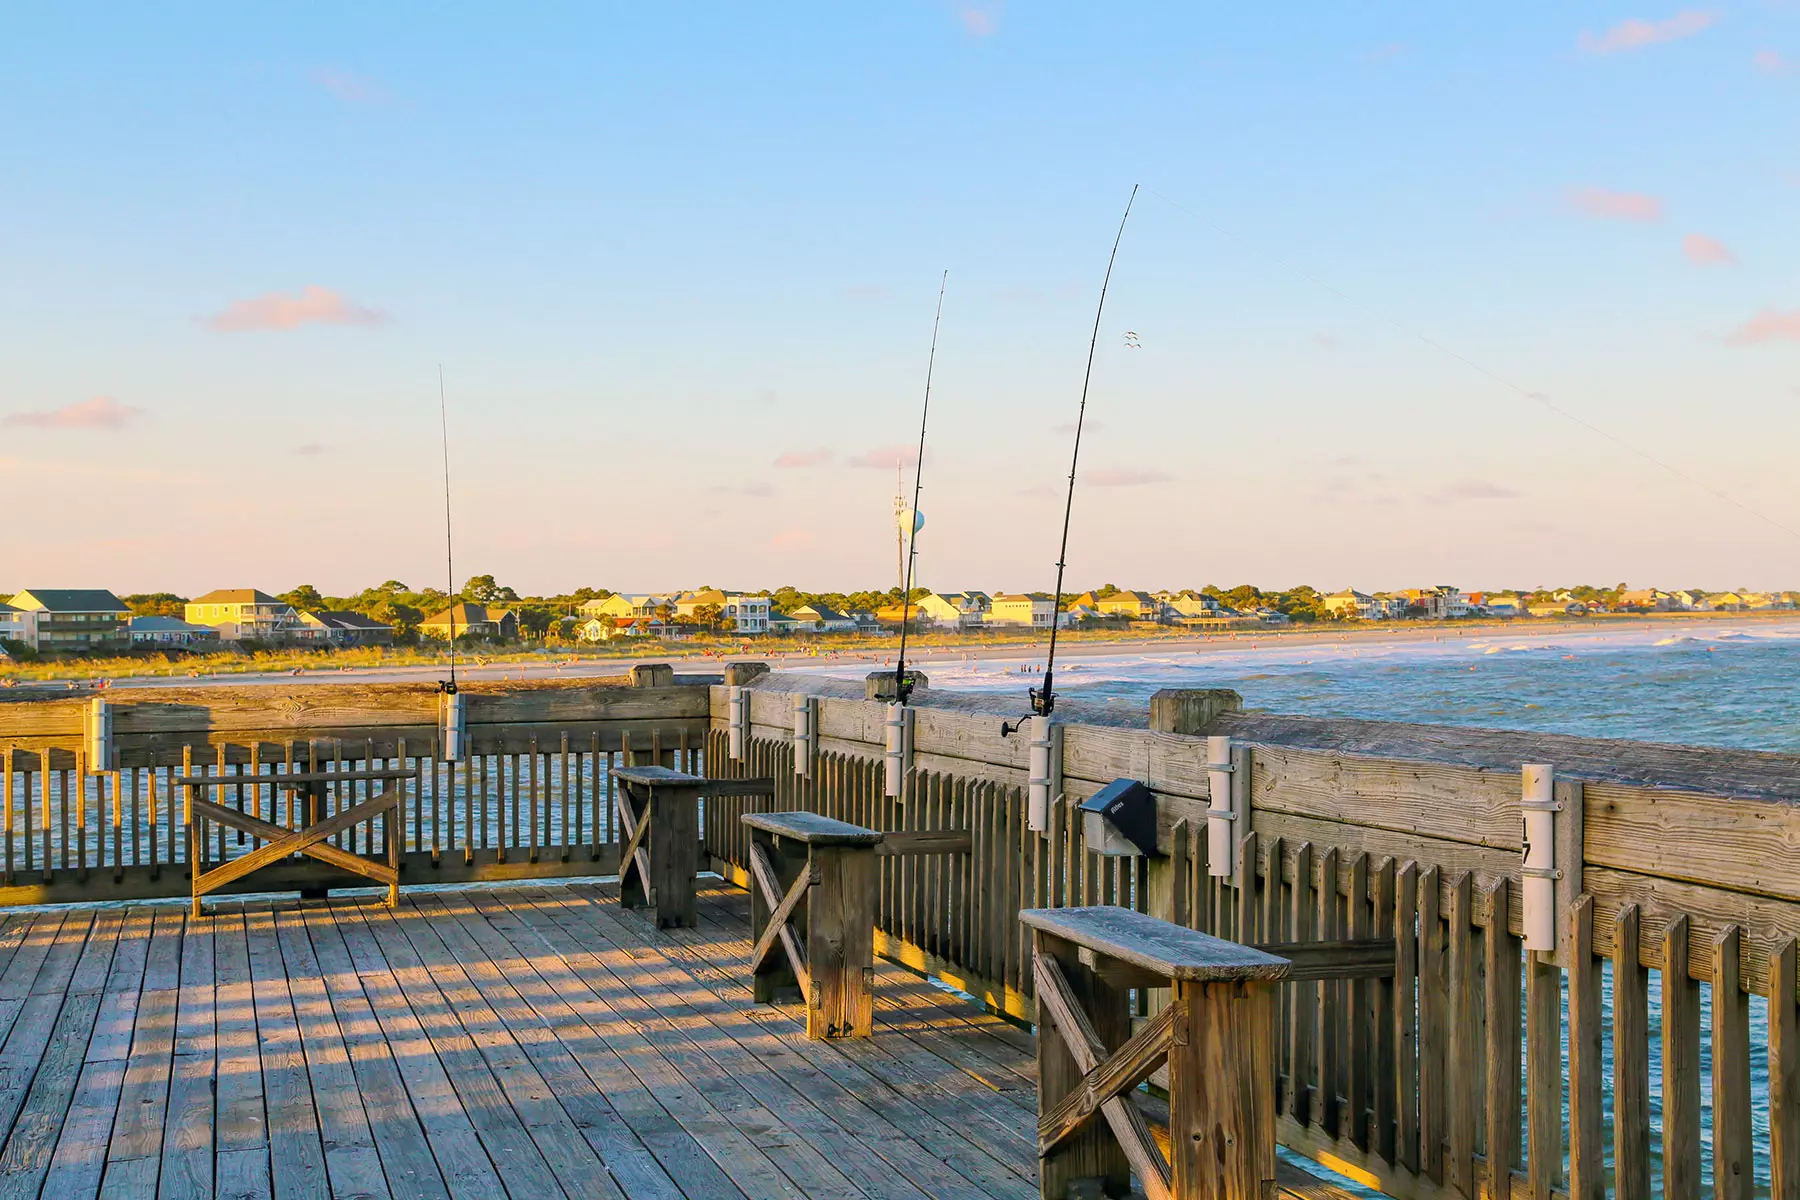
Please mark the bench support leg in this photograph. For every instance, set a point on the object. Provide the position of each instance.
(674, 855)
(1222, 1092)
(1093, 1157)
(840, 942)
(774, 979)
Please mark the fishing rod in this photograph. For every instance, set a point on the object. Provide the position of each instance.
(454, 704)
(1043, 699)
(903, 684)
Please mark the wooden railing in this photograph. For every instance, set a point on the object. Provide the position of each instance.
(534, 797)
(1479, 1069)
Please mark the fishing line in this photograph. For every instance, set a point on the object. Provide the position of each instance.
(1043, 699)
(1487, 373)
(903, 685)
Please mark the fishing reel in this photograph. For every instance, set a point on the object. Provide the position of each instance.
(1043, 702)
(447, 687)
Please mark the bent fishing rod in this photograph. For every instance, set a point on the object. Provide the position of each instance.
(447, 686)
(903, 684)
(1043, 699)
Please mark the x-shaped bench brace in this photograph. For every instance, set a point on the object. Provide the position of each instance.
(1106, 1079)
(781, 911)
(636, 853)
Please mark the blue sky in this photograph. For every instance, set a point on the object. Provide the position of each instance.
(660, 250)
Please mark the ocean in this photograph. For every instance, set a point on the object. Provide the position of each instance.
(1712, 685)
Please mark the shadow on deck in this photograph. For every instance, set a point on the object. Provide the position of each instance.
(534, 1042)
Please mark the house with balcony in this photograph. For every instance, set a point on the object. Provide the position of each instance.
(1023, 610)
(334, 628)
(245, 615)
(171, 631)
(18, 625)
(745, 612)
(77, 620)
(955, 610)
(471, 620)
(1352, 605)
(816, 618)
(639, 606)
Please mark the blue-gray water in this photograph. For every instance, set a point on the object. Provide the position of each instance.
(1728, 684)
(1714, 683)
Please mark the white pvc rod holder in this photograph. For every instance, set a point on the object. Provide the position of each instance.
(1037, 790)
(737, 706)
(456, 727)
(1538, 860)
(98, 722)
(803, 735)
(899, 748)
(1221, 817)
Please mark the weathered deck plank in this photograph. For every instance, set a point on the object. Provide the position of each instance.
(486, 1045)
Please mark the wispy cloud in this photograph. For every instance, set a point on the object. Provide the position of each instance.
(1766, 326)
(887, 457)
(311, 305)
(1707, 252)
(350, 87)
(311, 449)
(755, 490)
(793, 459)
(983, 21)
(1123, 477)
(1636, 33)
(1473, 489)
(1381, 54)
(791, 539)
(102, 412)
(1616, 206)
(1770, 62)
(1326, 341)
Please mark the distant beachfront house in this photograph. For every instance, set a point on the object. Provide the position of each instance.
(1189, 604)
(1352, 605)
(817, 618)
(747, 612)
(963, 610)
(171, 631)
(1023, 610)
(78, 620)
(783, 623)
(336, 628)
(1439, 603)
(245, 615)
(1687, 599)
(1556, 608)
(471, 620)
(1503, 604)
(18, 625)
(1648, 600)
(621, 605)
(596, 629)
(1133, 606)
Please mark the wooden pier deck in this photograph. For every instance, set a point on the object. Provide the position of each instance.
(536, 1042)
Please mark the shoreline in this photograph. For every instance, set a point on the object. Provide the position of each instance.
(1078, 646)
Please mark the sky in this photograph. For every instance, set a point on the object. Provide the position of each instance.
(1409, 294)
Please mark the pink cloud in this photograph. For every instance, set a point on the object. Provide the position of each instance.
(1473, 489)
(1766, 326)
(1770, 62)
(792, 459)
(887, 457)
(1616, 206)
(791, 539)
(351, 88)
(1707, 252)
(1636, 33)
(102, 412)
(981, 22)
(1123, 477)
(312, 305)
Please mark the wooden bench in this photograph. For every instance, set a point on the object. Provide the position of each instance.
(659, 814)
(813, 897)
(1217, 1036)
(310, 839)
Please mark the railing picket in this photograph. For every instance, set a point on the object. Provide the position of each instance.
(1502, 987)
(1784, 1076)
(1681, 1067)
(1406, 1018)
(1587, 1155)
(1433, 1023)
(1733, 1165)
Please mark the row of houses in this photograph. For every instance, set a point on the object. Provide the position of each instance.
(1445, 602)
(95, 621)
